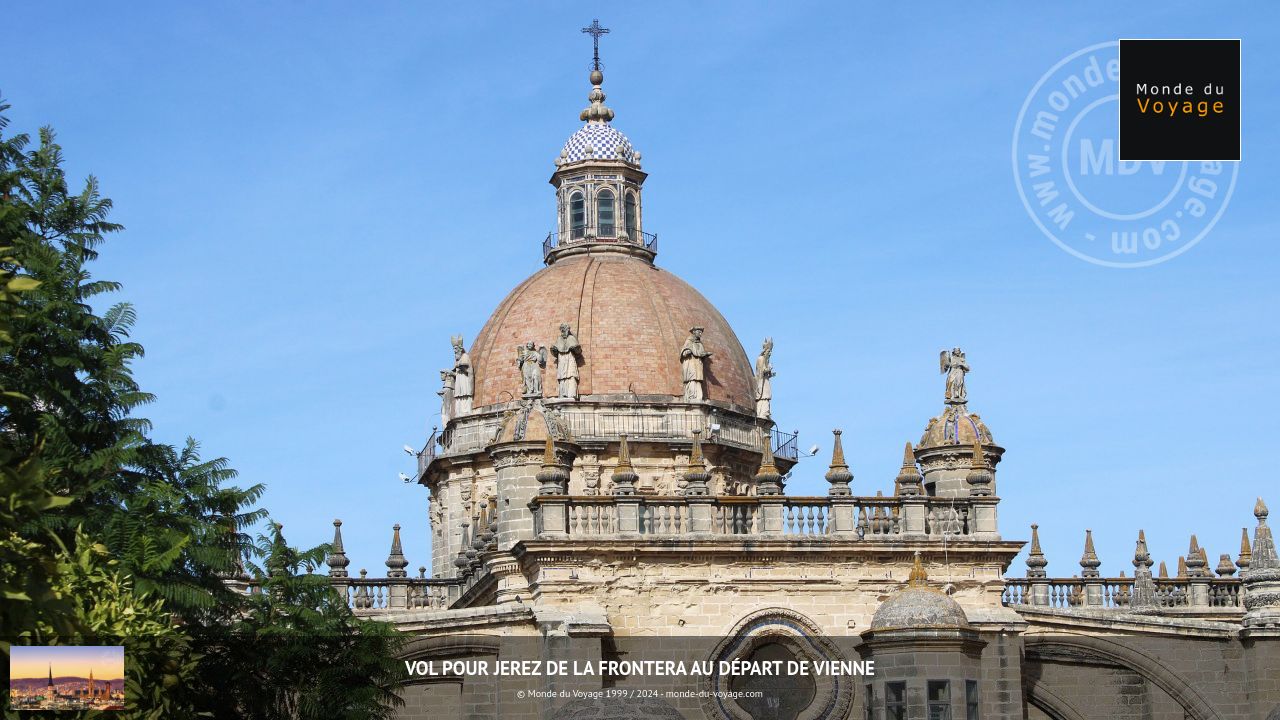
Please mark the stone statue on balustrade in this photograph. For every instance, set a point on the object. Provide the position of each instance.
(531, 360)
(764, 380)
(566, 350)
(463, 382)
(693, 366)
(447, 379)
(953, 364)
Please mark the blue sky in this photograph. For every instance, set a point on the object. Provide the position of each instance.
(317, 195)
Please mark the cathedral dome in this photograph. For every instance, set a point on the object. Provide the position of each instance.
(631, 318)
(598, 141)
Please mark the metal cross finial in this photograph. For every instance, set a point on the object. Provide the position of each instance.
(595, 31)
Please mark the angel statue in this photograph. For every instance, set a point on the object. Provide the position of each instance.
(463, 383)
(531, 360)
(952, 363)
(764, 380)
(566, 350)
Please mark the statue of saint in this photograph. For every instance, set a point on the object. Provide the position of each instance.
(764, 380)
(446, 397)
(531, 361)
(566, 350)
(952, 363)
(463, 383)
(693, 359)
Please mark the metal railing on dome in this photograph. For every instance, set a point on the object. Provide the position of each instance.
(616, 234)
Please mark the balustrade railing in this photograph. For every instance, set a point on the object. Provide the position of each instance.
(604, 233)
(1117, 593)
(668, 425)
(470, 436)
(863, 518)
(370, 594)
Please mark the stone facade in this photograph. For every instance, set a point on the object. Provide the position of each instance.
(629, 522)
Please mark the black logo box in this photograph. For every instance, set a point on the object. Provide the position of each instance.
(1186, 69)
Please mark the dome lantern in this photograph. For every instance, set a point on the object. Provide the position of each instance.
(598, 183)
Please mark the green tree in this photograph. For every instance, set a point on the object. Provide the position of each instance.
(321, 662)
(108, 535)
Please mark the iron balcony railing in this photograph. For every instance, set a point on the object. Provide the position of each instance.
(616, 234)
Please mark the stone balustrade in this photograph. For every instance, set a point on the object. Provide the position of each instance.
(862, 518)
(367, 595)
(1117, 593)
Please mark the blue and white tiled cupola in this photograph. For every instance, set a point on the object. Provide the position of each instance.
(598, 183)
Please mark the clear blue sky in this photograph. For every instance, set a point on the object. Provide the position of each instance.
(318, 194)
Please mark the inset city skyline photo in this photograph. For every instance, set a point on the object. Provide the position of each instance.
(89, 677)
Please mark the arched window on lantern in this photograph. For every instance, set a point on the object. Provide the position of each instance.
(577, 216)
(632, 217)
(605, 221)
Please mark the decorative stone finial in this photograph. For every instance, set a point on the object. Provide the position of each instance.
(838, 474)
(597, 112)
(337, 560)
(395, 561)
(1143, 597)
(1141, 557)
(695, 471)
(1262, 580)
(1225, 568)
(979, 477)
(1264, 546)
(552, 478)
(1196, 563)
(1164, 571)
(461, 562)
(1246, 553)
(1036, 561)
(768, 479)
(624, 476)
(918, 577)
(909, 481)
(1089, 561)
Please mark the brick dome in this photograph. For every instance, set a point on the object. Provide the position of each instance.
(631, 319)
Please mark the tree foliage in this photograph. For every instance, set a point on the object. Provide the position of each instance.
(107, 536)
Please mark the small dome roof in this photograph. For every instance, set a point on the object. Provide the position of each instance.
(955, 426)
(598, 141)
(919, 607)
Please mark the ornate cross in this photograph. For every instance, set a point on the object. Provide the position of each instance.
(595, 31)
